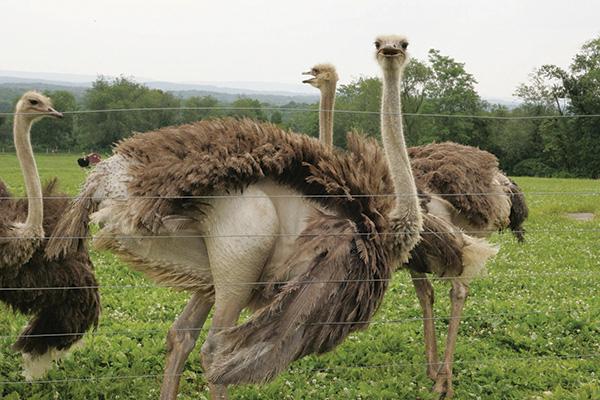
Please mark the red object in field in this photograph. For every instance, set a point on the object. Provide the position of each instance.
(93, 158)
(89, 160)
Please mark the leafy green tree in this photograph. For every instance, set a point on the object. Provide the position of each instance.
(276, 117)
(545, 89)
(204, 103)
(417, 77)
(100, 130)
(451, 90)
(249, 108)
(301, 121)
(362, 95)
(570, 145)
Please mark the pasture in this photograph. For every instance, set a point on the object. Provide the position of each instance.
(531, 327)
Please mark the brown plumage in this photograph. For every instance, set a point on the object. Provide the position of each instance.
(341, 285)
(224, 155)
(462, 171)
(228, 154)
(70, 312)
(469, 179)
(518, 211)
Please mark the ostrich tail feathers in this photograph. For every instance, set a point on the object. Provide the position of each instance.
(339, 278)
(518, 211)
(71, 231)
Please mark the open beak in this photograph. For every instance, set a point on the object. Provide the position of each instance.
(53, 113)
(311, 80)
(389, 51)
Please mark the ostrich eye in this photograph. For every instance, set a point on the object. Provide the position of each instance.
(33, 102)
(404, 45)
(377, 45)
(315, 71)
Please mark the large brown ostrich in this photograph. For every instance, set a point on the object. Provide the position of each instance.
(462, 189)
(266, 219)
(59, 316)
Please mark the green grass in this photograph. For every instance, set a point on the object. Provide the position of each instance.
(540, 301)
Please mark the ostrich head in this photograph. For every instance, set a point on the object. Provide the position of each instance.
(390, 51)
(35, 106)
(323, 75)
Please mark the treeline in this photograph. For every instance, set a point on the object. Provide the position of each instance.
(555, 146)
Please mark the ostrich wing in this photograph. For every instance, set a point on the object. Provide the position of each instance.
(343, 276)
(16, 247)
(463, 172)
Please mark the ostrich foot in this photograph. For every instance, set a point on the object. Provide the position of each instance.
(218, 392)
(443, 384)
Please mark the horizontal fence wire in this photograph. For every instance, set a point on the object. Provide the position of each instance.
(298, 196)
(480, 362)
(291, 109)
(125, 331)
(312, 282)
(341, 234)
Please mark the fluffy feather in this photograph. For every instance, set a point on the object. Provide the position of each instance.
(223, 155)
(345, 276)
(53, 312)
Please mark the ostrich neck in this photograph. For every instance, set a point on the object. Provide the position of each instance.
(326, 115)
(22, 138)
(395, 147)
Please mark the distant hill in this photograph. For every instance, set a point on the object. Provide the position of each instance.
(12, 86)
(509, 103)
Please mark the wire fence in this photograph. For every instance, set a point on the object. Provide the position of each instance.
(300, 235)
(484, 316)
(478, 362)
(301, 196)
(511, 276)
(315, 110)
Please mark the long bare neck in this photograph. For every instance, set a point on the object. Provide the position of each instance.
(326, 114)
(407, 203)
(33, 187)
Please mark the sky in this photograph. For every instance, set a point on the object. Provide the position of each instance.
(500, 42)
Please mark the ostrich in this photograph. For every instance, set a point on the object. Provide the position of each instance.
(480, 200)
(343, 245)
(59, 316)
(325, 79)
(454, 170)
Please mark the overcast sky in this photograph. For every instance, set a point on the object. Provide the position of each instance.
(274, 40)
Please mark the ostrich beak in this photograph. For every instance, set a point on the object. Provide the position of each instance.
(390, 51)
(311, 80)
(53, 113)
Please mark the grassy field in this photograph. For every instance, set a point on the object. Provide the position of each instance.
(531, 328)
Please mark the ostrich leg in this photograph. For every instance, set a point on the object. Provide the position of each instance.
(425, 294)
(226, 316)
(181, 340)
(235, 261)
(443, 380)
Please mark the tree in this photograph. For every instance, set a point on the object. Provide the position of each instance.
(363, 96)
(249, 108)
(451, 90)
(100, 130)
(545, 89)
(570, 145)
(417, 77)
(206, 102)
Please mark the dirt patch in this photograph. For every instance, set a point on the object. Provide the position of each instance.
(581, 216)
